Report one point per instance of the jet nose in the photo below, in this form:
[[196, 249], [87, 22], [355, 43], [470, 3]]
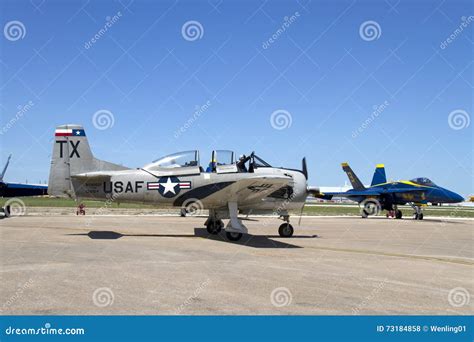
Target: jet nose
[[457, 198], [454, 197]]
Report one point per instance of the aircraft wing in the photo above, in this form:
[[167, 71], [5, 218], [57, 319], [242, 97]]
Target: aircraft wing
[[354, 193], [371, 192], [20, 190], [244, 191], [254, 189]]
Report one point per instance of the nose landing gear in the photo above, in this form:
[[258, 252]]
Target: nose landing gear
[[418, 214], [286, 229]]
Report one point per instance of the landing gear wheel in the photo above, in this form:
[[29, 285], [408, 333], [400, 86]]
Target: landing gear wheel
[[398, 214], [233, 236], [417, 216], [214, 227], [286, 230]]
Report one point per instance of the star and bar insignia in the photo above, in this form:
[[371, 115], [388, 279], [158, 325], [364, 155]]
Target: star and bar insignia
[[169, 186]]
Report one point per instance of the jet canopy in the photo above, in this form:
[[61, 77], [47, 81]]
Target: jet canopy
[[222, 161], [175, 160], [423, 181]]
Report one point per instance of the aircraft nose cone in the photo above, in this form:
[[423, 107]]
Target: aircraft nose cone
[[457, 198], [454, 197]]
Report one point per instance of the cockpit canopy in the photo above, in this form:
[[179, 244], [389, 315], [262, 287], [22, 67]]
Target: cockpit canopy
[[423, 181], [222, 161], [175, 160]]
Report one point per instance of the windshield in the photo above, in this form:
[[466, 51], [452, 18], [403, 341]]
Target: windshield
[[259, 162], [423, 181], [180, 159], [224, 157]]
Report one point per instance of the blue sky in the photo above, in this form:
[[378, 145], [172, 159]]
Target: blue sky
[[322, 71]]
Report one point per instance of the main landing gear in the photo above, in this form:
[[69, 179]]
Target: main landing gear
[[214, 227], [395, 212], [418, 214], [235, 228]]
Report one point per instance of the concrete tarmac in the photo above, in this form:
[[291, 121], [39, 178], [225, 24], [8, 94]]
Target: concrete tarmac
[[170, 265]]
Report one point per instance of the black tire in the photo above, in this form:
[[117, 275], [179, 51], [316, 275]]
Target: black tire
[[7, 211], [233, 236], [286, 230], [398, 214], [420, 217], [214, 227]]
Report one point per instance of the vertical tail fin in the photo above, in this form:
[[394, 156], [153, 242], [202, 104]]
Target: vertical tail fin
[[72, 155], [5, 168], [379, 175], [355, 181]]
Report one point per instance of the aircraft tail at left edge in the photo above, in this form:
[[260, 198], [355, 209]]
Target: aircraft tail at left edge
[[72, 155]]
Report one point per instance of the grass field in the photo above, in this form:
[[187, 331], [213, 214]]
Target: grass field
[[319, 209]]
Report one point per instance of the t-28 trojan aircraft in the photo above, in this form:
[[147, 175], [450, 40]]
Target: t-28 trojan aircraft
[[226, 188], [383, 195]]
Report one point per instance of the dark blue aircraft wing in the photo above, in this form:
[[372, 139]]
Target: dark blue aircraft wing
[[18, 190], [354, 193]]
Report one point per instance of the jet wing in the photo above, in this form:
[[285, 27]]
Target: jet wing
[[354, 193], [371, 192], [244, 191], [20, 190], [254, 189]]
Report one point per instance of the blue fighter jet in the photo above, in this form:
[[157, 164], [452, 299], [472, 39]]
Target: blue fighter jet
[[18, 189], [383, 195]]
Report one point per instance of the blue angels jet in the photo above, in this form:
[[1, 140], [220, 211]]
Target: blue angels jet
[[383, 195], [18, 189]]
